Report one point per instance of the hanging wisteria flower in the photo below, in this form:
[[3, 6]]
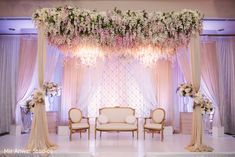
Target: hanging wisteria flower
[[186, 89], [67, 27], [51, 89]]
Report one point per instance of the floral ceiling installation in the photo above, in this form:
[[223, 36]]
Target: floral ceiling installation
[[68, 28]]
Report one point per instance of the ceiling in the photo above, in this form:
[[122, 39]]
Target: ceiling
[[11, 26]]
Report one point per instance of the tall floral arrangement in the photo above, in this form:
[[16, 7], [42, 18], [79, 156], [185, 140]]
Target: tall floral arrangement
[[70, 27], [51, 89]]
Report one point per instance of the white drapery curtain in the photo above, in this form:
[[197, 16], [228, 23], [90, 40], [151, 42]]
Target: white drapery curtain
[[9, 56], [163, 84], [27, 63], [226, 57], [71, 86], [210, 76], [52, 59]]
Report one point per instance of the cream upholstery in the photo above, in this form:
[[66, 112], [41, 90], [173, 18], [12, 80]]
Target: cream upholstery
[[75, 115], [158, 116], [117, 126], [80, 126], [117, 114], [117, 120], [130, 119], [76, 124], [153, 126], [103, 119], [157, 122]]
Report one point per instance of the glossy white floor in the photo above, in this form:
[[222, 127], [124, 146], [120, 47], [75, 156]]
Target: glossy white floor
[[123, 145]]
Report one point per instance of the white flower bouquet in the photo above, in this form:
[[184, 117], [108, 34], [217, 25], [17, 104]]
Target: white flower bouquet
[[198, 98], [186, 89], [36, 98], [51, 89]]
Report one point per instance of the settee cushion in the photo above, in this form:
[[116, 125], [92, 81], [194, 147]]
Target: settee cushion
[[116, 114], [103, 119], [117, 126], [130, 119]]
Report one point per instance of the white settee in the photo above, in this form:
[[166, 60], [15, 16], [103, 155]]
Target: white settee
[[116, 119]]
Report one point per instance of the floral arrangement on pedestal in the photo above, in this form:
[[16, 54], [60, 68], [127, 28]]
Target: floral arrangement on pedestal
[[187, 90], [115, 31], [51, 89]]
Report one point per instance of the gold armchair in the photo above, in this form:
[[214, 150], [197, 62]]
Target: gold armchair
[[76, 124], [157, 123]]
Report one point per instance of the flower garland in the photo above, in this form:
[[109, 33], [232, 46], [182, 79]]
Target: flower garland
[[198, 98], [69, 28]]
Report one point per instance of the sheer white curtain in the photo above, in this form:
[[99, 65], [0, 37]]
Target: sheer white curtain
[[53, 56], [226, 56], [71, 84], [210, 76], [123, 82], [142, 75], [163, 76], [27, 63], [79, 84], [9, 54]]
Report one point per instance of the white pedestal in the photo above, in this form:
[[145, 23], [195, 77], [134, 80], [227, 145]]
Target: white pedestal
[[168, 131], [217, 131], [63, 130], [15, 130]]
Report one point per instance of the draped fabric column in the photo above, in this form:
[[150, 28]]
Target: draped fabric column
[[196, 144], [27, 63], [39, 136]]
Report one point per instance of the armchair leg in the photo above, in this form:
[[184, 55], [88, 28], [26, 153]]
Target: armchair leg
[[89, 134], [152, 134], [144, 134], [137, 134], [80, 134], [95, 134], [132, 134], [100, 134], [70, 136], [161, 135]]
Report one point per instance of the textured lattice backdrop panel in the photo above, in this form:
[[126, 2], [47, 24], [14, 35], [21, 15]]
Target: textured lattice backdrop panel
[[118, 87]]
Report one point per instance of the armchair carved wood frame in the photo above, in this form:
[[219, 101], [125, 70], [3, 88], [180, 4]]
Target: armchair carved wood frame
[[75, 123], [158, 122]]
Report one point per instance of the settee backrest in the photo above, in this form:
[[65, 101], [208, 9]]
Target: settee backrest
[[117, 114]]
